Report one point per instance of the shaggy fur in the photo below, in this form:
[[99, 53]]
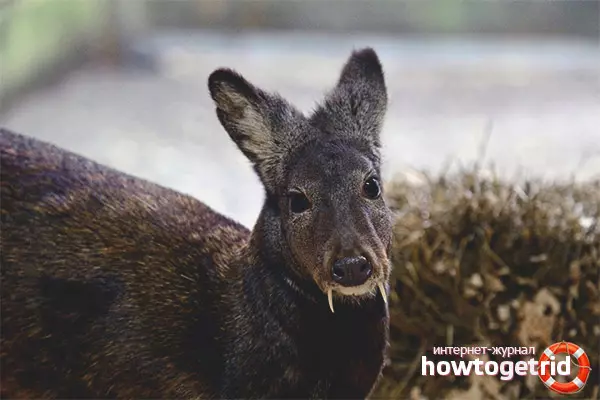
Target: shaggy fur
[[116, 287]]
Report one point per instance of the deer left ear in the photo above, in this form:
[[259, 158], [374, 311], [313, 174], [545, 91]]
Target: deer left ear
[[264, 126], [356, 107]]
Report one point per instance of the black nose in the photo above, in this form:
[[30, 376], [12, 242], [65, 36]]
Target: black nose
[[351, 271]]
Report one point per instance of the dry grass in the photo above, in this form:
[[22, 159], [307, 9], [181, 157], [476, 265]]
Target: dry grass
[[481, 262]]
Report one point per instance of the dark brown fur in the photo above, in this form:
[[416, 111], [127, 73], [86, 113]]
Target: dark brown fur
[[116, 287]]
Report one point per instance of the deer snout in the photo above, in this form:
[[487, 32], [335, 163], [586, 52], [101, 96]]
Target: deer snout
[[351, 271]]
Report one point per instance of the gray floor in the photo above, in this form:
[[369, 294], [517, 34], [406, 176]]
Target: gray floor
[[156, 120]]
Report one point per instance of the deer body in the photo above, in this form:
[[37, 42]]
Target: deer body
[[116, 287]]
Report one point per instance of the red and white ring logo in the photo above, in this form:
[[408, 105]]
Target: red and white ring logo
[[583, 363]]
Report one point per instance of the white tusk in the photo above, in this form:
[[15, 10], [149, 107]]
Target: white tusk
[[330, 298], [383, 294]]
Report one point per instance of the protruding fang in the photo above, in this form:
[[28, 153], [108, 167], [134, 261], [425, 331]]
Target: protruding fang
[[383, 294], [330, 298]]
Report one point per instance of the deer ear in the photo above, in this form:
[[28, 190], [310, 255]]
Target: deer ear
[[239, 106], [364, 68], [356, 107], [262, 125]]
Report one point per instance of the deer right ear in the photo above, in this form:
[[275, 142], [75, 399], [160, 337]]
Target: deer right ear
[[356, 107], [261, 124]]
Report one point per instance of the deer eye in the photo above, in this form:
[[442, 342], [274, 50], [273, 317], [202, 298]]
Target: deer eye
[[372, 188], [298, 202]]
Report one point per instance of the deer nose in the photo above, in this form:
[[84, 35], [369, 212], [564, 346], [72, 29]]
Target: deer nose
[[351, 271]]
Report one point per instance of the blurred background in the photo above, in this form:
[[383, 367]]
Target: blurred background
[[124, 82]]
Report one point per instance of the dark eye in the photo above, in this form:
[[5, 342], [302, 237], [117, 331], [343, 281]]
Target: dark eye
[[371, 188], [298, 202]]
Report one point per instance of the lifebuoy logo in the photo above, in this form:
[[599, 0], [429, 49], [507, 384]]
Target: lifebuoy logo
[[545, 371]]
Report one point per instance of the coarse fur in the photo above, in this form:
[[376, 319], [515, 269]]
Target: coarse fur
[[113, 286]]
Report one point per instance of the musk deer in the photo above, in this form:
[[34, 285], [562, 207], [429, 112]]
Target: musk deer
[[116, 287]]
